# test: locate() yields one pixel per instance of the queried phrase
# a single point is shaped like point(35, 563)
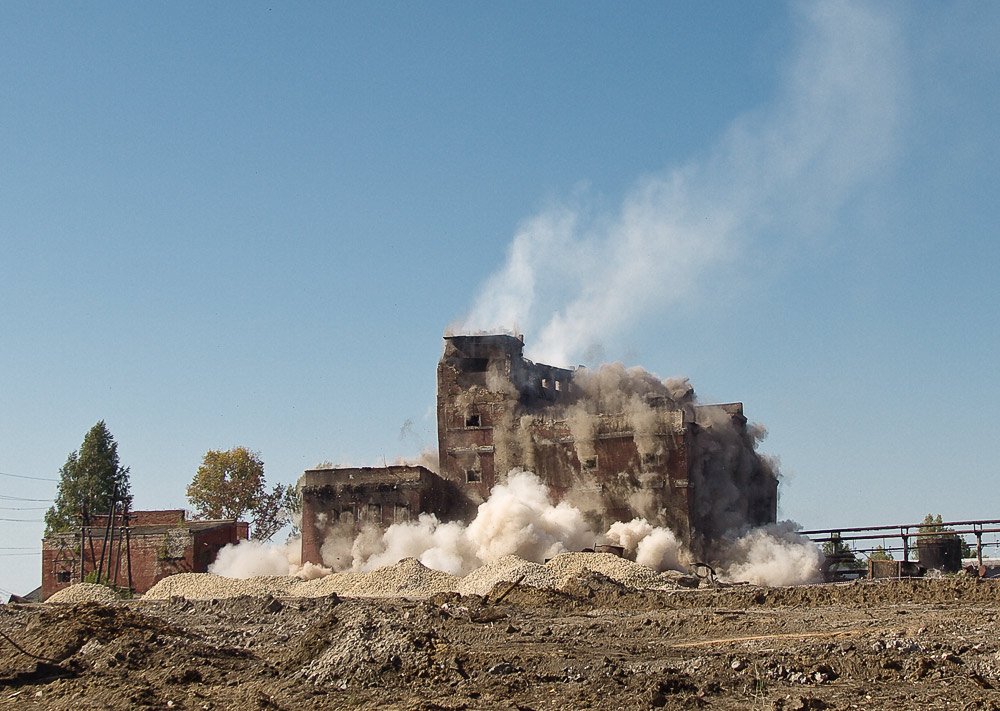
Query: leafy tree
point(89, 482)
point(939, 532)
point(276, 508)
point(230, 484)
point(880, 553)
point(840, 554)
point(932, 526)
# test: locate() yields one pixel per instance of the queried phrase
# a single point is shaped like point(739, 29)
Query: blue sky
point(251, 225)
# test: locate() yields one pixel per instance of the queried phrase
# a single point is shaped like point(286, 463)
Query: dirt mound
point(595, 642)
point(857, 593)
point(365, 650)
point(566, 567)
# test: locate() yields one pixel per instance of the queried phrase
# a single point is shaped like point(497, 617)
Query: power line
point(23, 508)
point(23, 520)
point(10, 555)
point(34, 478)
point(20, 498)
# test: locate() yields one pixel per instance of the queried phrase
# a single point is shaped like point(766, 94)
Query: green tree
point(932, 526)
point(839, 554)
point(89, 482)
point(933, 529)
point(231, 484)
point(880, 553)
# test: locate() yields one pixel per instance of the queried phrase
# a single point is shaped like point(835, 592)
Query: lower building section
point(381, 496)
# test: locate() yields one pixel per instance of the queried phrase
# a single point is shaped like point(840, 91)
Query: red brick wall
point(165, 517)
point(312, 536)
point(154, 554)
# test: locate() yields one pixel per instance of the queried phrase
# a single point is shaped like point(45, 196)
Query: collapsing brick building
point(618, 448)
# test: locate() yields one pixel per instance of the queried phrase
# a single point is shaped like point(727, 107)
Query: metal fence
point(874, 537)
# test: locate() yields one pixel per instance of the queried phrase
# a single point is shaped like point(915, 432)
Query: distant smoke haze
point(578, 280)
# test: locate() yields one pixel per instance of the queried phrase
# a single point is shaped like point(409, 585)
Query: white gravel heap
point(570, 565)
point(84, 592)
point(503, 569)
point(203, 586)
point(407, 578)
point(410, 578)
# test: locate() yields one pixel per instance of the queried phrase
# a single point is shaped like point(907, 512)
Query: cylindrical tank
point(944, 554)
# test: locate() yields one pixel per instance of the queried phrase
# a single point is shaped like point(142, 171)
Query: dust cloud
point(521, 518)
point(580, 277)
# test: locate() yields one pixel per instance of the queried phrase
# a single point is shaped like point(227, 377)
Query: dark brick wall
point(485, 391)
point(357, 496)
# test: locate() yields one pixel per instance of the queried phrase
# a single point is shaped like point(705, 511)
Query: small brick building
point(153, 545)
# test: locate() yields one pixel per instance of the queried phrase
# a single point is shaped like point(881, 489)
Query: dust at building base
point(616, 443)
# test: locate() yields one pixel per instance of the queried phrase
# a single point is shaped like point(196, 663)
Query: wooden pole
point(118, 558)
point(128, 553)
point(83, 536)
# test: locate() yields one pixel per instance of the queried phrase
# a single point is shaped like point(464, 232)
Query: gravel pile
point(368, 650)
point(503, 569)
point(205, 586)
point(407, 578)
point(84, 592)
point(570, 565)
point(410, 578)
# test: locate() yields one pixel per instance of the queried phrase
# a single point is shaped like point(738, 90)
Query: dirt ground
point(906, 644)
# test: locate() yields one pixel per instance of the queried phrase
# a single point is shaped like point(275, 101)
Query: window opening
point(402, 513)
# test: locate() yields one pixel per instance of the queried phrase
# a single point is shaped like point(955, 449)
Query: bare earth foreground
point(593, 643)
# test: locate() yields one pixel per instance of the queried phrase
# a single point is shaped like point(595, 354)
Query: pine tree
point(89, 482)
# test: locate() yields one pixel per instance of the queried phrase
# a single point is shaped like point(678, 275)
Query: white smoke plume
point(427, 458)
point(773, 555)
point(578, 279)
point(654, 546)
point(521, 518)
point(518, 518)
point(247, 559)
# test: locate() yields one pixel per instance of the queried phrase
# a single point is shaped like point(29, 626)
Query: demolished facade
point(617, 448)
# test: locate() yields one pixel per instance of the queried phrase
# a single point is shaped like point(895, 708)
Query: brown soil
point(595, 644)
